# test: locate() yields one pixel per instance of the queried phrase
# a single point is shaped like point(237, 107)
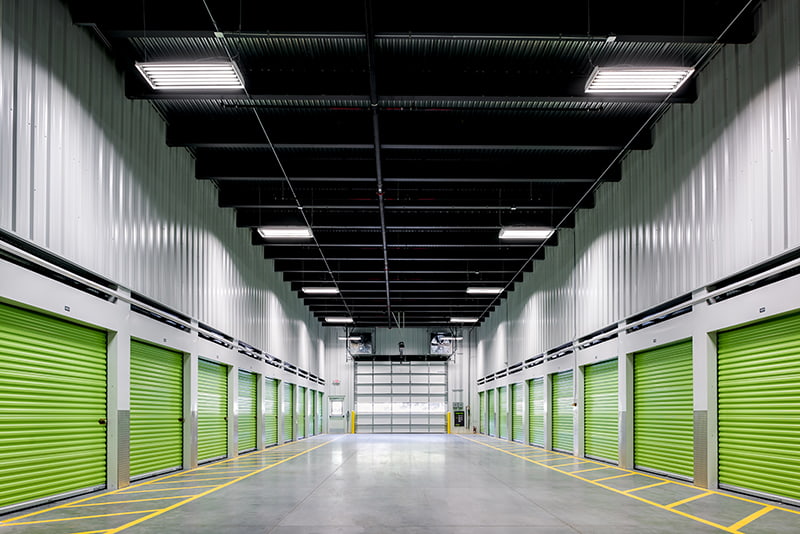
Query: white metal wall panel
point(718, 192)
point(86, 173)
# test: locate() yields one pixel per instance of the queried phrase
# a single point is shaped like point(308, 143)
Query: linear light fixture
point(452, 338)
point(285, 232)
point(339, 320)
point(321, 290)
point(525, 232)
point(637, 79)
point(484, 290)
point(200, 75)
point(349, 338)
point(463, 319)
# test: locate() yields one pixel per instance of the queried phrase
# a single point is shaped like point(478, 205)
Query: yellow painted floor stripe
point(165, 489)
point(572, 463)
point(89, 532)
point(750, 518)
point(596, 469)
point(611, 478)
point(75, 518)
point(648, 486)
point(174, 481)
point(689, 499)
point(105, 503)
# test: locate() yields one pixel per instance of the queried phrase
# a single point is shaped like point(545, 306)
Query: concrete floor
point(409, 484)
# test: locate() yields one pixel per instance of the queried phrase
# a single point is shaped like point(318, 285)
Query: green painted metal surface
point(759, 407)
point(212, 410)
point(288, 411)
point(156, 442)
point(270, 411)
point(301, 412)
point(482, 412)
point(248, 411)
point(601, 410)
point(663, 417)
point(52, 397)
point(562, 397)
point(491, 414)
point(502, 412)
point(517, 411)
point(320, 408)
point(536, 411)
point(310, 402)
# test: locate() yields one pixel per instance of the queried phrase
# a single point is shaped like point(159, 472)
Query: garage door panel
point(517, 407)
point(270, 411)
point(601, 410)
point(212, 411)
point(248, 411)
point(288, 411)
point(536, 411)
point(482, 412)
point(562, 397)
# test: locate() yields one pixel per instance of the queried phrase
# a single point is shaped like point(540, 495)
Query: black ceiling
point(407, 133)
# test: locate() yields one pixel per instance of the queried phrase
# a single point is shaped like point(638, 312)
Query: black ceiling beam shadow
point(401, 254)
point(298, 279)
point(463, 266)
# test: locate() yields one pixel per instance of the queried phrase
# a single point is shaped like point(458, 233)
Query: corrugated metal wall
point(87, 174)
point(719, 191)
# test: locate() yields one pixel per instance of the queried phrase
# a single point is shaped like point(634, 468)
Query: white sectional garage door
point(394, 397)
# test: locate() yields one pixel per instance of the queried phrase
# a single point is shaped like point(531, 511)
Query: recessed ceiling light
point(525, 232)
point(285, 232)
point(637, 79)
point(200, 75)
point(338, 319)
point(321, 290)
point(484, 290)
point(463, 319)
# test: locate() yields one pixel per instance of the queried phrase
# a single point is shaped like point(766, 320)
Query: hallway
point(411, 484)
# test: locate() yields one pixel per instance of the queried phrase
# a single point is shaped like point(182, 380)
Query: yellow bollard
point(352, 422)
point(447, 419)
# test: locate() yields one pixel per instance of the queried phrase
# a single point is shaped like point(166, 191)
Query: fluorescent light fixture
point(285, 232)
point(463, 319)
point(349, 338)
point(637, 79)
point(321, 290)
point(451, 338)
point(525, 232)
point(484, 290)
point(338, 320)
point(200, 75)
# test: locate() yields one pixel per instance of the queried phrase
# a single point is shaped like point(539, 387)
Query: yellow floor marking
point(89, 532)
point(596, 469)
point(193, 480)
point(750, 518)
point(195, 497)
point(164, 489)
point(648, 486)
point(221, 471)
point(572, 463)
point(689, 499)
point(125, 502)
point(75, 518)
point(615, 476)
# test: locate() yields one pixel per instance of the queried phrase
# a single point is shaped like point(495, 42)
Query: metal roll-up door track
point(759, 408)
point(156, 439)
point(663, 418)
point(53, 401)
point(563, 421)
point(601, 411)
point(212, 411)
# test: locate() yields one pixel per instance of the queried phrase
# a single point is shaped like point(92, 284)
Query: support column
point(704, 365)
point(118, 415)
point(233, 411)
point(626, 362)
point(259, 411)
point(190, 387)
point(578, 444)
point(547, 412)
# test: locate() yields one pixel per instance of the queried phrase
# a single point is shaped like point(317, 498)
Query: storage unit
point(502, 412)
point(310, 403)
point(288, 411)
point(601, 411)
point(212, 411)
point(301, 412)
point(536, 411)
point(759, 408)
point(482, 412)
point(491, 413)
point(156, 439)
point(248, 411)
point(320, 408)
point(401, 397)
point(563, 418)
point(53, 405)
point(517, 410)
point(663, 410)
point(270, 411)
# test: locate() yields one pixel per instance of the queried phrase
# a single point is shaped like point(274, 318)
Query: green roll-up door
point(663, 413)
point(301, 412)
point(601, 410)
point(536, 411)
point(482, 413)
point(502, 411)
point(288, 412)
point(517, 409)
point(490, 413)
point(248, 411)
point(310, 412)
point(759, 407)
point(212, 411)
point(563, 414)
point(156, 410)
point(52, 399)
point(320, 408)
point(270, 411)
